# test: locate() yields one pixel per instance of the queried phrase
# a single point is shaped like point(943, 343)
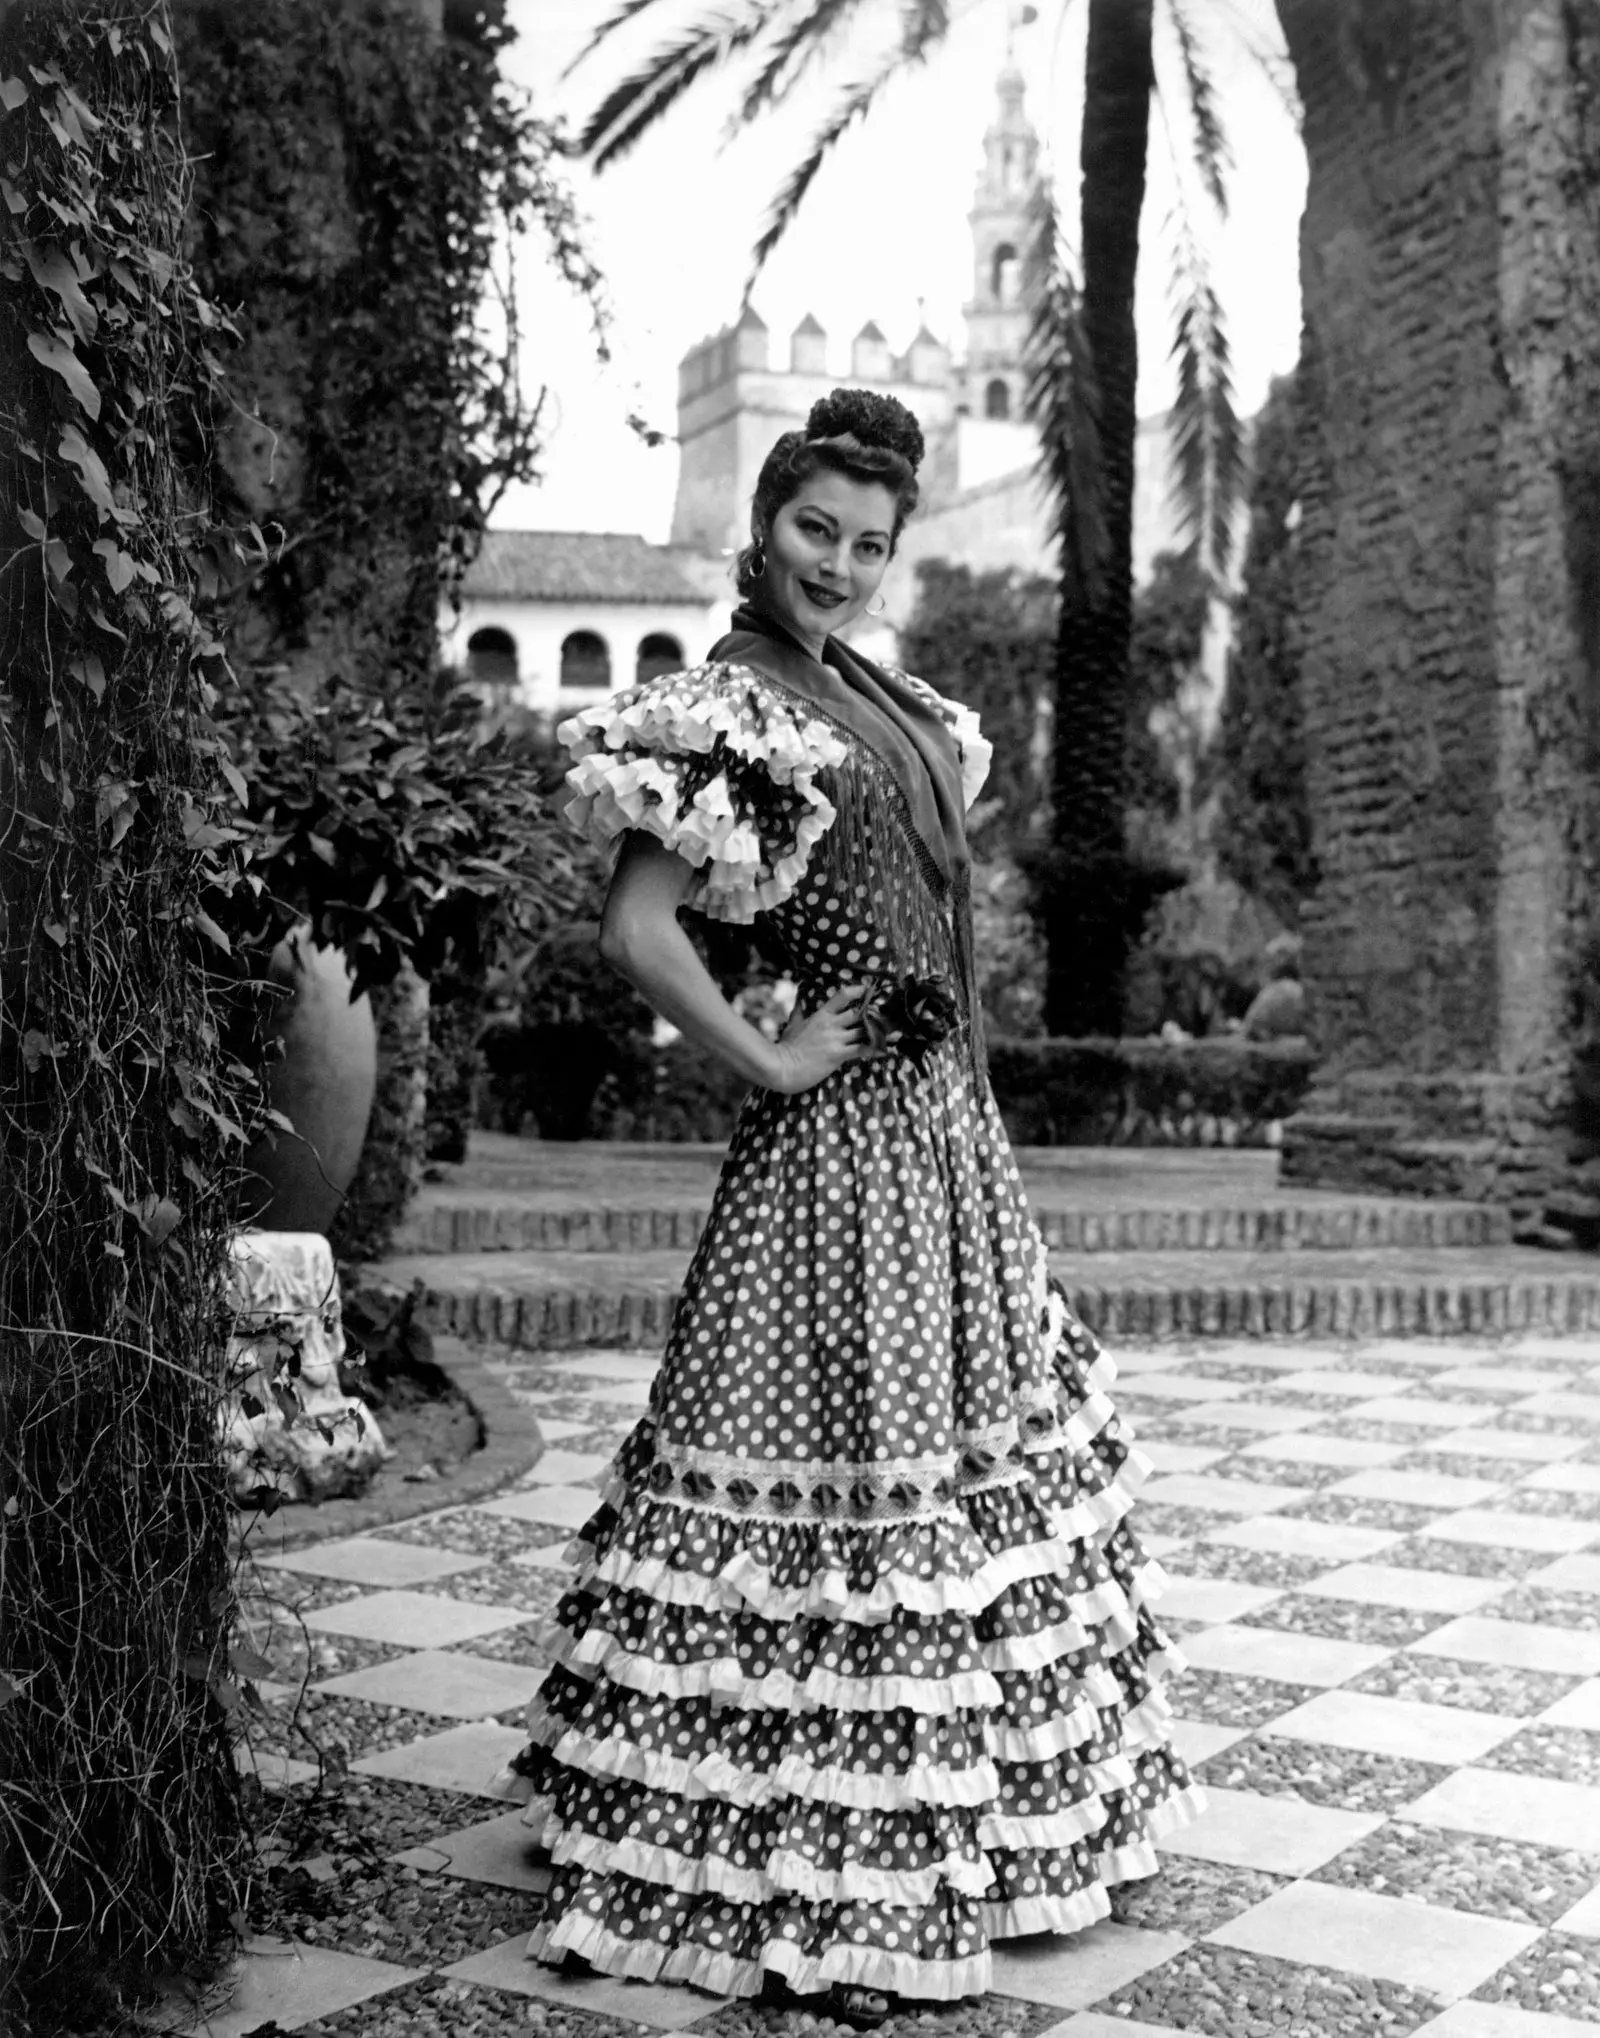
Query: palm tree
point(1083, 372)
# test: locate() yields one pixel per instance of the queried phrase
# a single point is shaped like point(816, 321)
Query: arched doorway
point(492, 662)
point(1005, 275)
point(997, 399)
point(657, 653)
point(585, 663)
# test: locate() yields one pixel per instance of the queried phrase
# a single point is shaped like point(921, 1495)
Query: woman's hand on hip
point(814, 1045)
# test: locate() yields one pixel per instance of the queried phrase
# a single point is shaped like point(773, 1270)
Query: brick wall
point(1449, 573)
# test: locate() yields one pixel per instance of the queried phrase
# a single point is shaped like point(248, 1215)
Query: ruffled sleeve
point(717, 766)
point(976, 751)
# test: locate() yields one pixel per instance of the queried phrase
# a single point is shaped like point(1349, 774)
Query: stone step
point(515, 1223)
point(558, 1300)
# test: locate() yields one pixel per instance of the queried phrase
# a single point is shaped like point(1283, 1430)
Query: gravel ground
point(983, 2017)
point(1544, 1500)
point(293, 1592)
point(517, 1586)
point(1366, 1429)
point(1568, 1754)
point(1228, 1994)
point(1226, 1701)
point(1156, 1518)
point(1246, 1567)
point(1279, 1471)
point(1539, 1422)
point(1397, 1515)
point(311, 1657)
point(387, 1911)
point(1558, 1975)
point(1466, 1560)
point(1191, 1896)
point(1478, 1687)
point(1462, 1465)
point(436, 2008)
point(1544, 1608)
point(333, 1724)
point(1465, 1872)
point(360, 1818)
point(516, 1645)
point(1346, 1620)
point(471, 1532)
point(1348, 1779)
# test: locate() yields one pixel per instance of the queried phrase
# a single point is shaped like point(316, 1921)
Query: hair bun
point(871, 419)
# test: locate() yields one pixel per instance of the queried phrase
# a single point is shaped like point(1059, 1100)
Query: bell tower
point(1002, 224)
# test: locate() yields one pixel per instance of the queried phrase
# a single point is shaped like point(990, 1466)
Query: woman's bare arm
point(640, 937)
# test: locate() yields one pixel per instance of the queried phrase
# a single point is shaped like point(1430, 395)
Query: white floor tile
point(1530, 1446)
point(1168, 1458)
point(463, 1758)
point(1212, 1599)
point(499, 1850)
point(1396, 1726)
point(1080, 1969)
point(1565, 1405)
point(412, 1620)
point(1503, 1530)
point(1278, 1834)
point(1567, 1478)
point(1223, 1496)
point(1577, 1352)
point(1519, 1645)
point(548, 1557)
point(608, 1365)
point(563, 1506)
point(569, 1468)
point(1337, 1385)
point(555, 1429)
point(277, 1772)
point(1093, 2024)
point(1336, 1542)
point(1500, 2020)
point(1512, 1806)
point(1580, 1708)
point(1280, 1653)
point(1320, 1450)
point(369, 1560)
point(1398, 1585)
point(1418, 1945)
point(1569, 1574)
point(1583, 1918)
point(1509, 1380)
point(1266, 1417)
point(654, 2005)
point(1196, 1741)
point(1409, 1408)
point(284, 1984)
point(1419, 1489)
point(1160, 1386)
point(441, 1681)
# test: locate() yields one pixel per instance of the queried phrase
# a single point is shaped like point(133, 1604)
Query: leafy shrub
point(1147, 1092)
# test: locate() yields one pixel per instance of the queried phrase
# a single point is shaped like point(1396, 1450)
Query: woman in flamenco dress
point(858, 1672)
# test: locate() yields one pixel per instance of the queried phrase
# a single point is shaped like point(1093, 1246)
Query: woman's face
point(826, 552)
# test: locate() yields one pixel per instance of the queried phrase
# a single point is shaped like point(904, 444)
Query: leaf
point(56, 354)
point(53, 270)
point(213, 933)
point(158, 1217)
point(247, 1662)
point(88, 667)
point(13, 93)
point(95, 481)
point(12, 1688)
point(38, 1047)
point(33, 524)
point(119, 567)
point(56, 932)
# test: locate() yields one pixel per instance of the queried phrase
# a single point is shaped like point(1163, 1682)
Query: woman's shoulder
point(976, 751)
point(692, 711)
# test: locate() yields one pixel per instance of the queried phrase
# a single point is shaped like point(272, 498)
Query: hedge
point(1225, 1091)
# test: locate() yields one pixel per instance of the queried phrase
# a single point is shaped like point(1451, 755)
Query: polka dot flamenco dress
point(858, 1672)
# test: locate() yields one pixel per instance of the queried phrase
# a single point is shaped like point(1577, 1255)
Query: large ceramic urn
point(323, 1084)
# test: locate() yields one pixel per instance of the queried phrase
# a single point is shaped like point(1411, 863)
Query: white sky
point(883, 226)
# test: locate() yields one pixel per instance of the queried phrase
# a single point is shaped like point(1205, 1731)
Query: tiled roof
point(576, 566)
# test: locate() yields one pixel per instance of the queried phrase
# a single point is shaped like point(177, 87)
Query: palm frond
point(631, 108)
point(924, 24)
point(620, 19)
point(793, 53)
point(1060, 398)
point(1213, 157)
point(1207, 439)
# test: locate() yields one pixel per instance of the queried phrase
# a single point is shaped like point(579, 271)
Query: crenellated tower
point(1002, 226)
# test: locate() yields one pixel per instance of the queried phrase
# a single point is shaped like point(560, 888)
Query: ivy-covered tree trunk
point(119, 1825)
point(1093, 906)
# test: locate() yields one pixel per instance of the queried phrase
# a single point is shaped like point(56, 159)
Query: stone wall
point(1446, 565)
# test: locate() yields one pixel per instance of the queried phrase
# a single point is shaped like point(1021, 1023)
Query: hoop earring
point(878, 611)
point(758, 562)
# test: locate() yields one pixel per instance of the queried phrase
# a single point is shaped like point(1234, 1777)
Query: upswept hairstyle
point(855, 432)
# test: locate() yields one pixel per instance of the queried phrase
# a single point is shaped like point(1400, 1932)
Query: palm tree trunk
point(1093, 903)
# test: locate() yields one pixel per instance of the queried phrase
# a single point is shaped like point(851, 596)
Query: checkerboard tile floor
point(1386, 1575)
